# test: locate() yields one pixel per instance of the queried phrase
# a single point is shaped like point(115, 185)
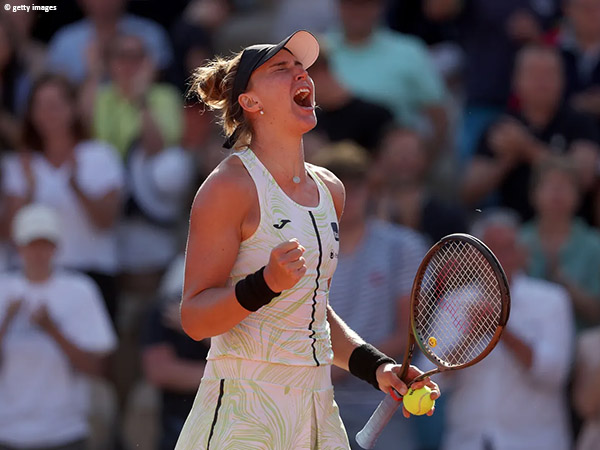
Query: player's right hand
point(286, 266)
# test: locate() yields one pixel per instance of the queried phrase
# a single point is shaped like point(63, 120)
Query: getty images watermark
point(27, 8)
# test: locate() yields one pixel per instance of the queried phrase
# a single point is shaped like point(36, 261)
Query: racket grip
point(367, 437)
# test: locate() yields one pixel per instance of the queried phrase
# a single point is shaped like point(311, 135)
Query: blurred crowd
point(439, 116)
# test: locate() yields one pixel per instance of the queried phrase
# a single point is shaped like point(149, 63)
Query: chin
point(307, 122)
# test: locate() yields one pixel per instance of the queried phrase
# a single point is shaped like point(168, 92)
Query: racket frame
point(414, 298)
point(367, 437)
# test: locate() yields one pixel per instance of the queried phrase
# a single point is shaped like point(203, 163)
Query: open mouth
point(302, 97)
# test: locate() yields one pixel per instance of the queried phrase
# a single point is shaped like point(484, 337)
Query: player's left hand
point(388, 379)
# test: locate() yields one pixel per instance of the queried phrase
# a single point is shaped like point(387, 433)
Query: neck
point(539, 117)
point(358, 38)
point(105, 26)
point(58, 148)
point(125, 89)
point(282, 155)
point(37, 274)
point(554, 225)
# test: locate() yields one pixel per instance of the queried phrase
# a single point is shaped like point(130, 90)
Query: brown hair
point(213, 83)
point(30, 137)
point(556, 163)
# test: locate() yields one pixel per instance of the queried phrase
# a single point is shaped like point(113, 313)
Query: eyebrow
point(279, 64)
point(284, 63)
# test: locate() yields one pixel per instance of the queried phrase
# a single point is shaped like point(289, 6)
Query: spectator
point(563, 248)
point(4, 233)
point(516, 397)
point(580, 44)
point(409, 17)
point(54, 333)
point(143, 119)
point(318, 16)
point(30, 52)
point(172, 361)
point(14, 84)
point(542, 126)
point(133, 108)
point(404, 196)
point(484, 25)
point(586, 389)
point(233, 24)
point(192, 46)
point(388, 68)
point(341, 115)
point(82, 179)
point(371, 286)
point(76, 46)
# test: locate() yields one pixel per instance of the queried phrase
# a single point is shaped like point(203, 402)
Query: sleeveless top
point(292, 329)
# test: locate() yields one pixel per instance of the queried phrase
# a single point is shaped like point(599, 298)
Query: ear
point(249, 103)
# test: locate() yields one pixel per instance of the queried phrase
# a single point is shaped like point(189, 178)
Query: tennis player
point(262, 248)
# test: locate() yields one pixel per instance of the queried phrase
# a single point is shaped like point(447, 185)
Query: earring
point(261, 112)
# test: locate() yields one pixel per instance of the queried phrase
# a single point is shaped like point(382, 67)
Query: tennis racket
point(460, 303)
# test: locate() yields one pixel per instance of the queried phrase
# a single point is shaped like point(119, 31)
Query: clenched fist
point(286, 266)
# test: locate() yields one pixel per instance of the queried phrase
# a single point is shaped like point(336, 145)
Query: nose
point(302, 74)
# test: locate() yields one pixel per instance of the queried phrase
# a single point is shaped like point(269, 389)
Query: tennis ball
point(418, 402)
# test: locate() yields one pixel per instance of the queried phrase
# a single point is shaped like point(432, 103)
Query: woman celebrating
point(262, 248)
point(81, 178)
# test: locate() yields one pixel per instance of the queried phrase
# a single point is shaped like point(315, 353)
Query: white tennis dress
point(267, 382)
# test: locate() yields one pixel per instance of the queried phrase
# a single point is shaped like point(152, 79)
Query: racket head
point(460, 302)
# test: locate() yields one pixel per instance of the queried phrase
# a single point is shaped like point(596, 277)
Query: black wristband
point(365, 360)
point(253, 292)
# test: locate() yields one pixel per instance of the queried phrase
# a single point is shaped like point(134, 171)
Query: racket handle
point(367, 437)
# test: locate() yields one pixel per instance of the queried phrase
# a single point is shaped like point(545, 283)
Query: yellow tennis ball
point(418, 402)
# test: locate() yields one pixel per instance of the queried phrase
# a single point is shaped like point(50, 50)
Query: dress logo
point(336, 233)
point(282, 223)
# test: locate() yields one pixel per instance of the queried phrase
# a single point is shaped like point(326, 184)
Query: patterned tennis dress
point(267, 381)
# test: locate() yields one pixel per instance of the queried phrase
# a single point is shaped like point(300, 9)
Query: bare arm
point(151, 137)
point(208, 307)
point(225, 211)
point(90, 363)
point(166, 370)
point(585, 305)
point(586, 386)
point(439, 122)
point(103, 211)
point(520, 349)
point(483, 176)
point(10, 313)
point(343, 339)
point(586, 392)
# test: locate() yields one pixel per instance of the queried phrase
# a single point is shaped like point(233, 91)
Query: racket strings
point(458, 307)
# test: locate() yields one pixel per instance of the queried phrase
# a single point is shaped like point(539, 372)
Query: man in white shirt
point(370, 290)
point(54, 333)
point(515, 399)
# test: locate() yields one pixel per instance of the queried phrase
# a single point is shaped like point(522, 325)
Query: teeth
point(302, 90)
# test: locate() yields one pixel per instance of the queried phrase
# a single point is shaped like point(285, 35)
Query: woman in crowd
point(59, 166)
